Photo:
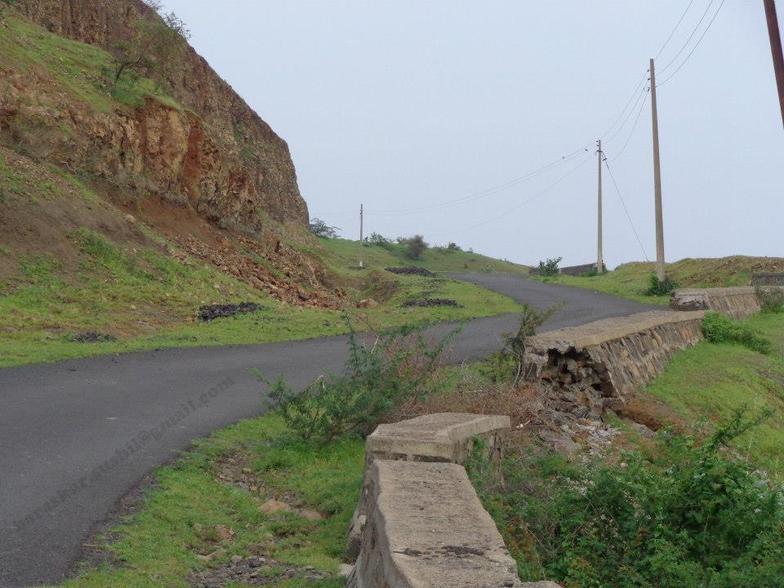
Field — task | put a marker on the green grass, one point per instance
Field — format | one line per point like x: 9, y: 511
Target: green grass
x: 83, y: 70
x: 160, y: 544
x: 708, y: 382
x: 149, y: 300
x: 344, y: 256
x: 631, y: 280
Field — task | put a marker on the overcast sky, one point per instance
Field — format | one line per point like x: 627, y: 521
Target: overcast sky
x: 407, y: 106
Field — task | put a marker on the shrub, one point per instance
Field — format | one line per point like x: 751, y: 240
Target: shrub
x: 453, y: 247
x: 771, y: 299
x: 719, y: 328
x: 396, y: 366
x: 549, y: 267
x: 659, y: 288
x: 321, y: 229
x: 379, y: 241
x: 688, y: 515
x: 414, y: 246
x: 514, y: 343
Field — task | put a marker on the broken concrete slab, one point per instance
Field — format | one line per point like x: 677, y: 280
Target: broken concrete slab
x: 434, y: 437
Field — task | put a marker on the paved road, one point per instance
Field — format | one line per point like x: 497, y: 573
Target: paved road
x: 78, y: 435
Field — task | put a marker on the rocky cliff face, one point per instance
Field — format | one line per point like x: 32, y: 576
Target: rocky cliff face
x: 214, y: 153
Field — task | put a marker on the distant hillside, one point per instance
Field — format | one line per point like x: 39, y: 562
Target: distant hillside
x: 631, y: 280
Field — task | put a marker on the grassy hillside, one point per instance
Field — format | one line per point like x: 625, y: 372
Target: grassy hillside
x: 344, y: 255
x: 81, y: 258
x: 631, y: 280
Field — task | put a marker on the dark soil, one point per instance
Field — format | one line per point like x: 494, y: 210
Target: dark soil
x: 254, y: 571
x: 213, y: 311
x: 411, y: 271
x: 92, y: 337
x: 426, y: 302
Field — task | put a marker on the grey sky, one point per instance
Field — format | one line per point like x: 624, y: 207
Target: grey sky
x: 406, y: 104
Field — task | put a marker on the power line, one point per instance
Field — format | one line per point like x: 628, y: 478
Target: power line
x: 637, y: 88
x: 675, y: 28
x: 634, y: 126
x: 626, y: 210
x: 484, y: 193
x: 533, y: 197
x: 688, y: 40
x: 641, y: 97
x: 693, y: 49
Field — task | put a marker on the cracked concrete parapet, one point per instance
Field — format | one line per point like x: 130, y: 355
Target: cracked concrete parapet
x: 427, y: 527
x: 419, y: 521
x: 441, y: 437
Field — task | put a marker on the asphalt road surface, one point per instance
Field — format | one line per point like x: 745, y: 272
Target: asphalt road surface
x: 77, y: 436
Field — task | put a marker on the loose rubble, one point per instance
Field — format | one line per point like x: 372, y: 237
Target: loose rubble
x: 411, y: 271
x: 428, y: 302
x: 210, y: 312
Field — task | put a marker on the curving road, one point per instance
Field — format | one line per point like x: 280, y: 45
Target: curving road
x: 76, y: 436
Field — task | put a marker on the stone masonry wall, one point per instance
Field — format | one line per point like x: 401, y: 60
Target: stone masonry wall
x: 606, y: 361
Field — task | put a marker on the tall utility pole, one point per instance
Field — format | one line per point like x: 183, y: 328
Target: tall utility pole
x: 775, y: 47
x: 657, y: 188
x: 599, y: 249
x: 361, y: 232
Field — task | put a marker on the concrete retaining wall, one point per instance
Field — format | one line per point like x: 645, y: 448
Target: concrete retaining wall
x: 608, y: 360
x: 419, y: 521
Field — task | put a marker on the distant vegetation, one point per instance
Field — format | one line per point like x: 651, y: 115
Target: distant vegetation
x: 321, y: 229
x: 634, y: 280
x: 550, y: 267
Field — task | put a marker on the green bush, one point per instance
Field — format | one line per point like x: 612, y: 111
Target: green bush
x: 549, y: 267
x: 771, y: 299
x: 379, y: 240
x: 719, y: 328
x: 414, y: 246
x: 378, y: 376
x: 688, y: 516
x: 660, y: 288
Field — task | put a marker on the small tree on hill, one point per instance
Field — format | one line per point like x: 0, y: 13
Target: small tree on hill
x: 321, y: 229
x: 415, y: 246
x: 156, y: 44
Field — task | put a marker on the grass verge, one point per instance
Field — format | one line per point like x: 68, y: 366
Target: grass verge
x: 209, y: 507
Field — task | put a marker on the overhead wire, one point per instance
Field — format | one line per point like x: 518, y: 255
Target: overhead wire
x: 675, y: 28
x: 634, y: 126
x: 690, y: 37
x: 693, y: 49
x: 483, y: 193
x: 625, y: 209
x: 533, y: 197
x: 641, y: 97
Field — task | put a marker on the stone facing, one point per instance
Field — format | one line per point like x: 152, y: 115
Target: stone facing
x: 736, y: 302
x: 611, y: 358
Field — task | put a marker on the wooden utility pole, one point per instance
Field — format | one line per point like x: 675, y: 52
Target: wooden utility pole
x: 775, y: 47
x: 657, y: 188
x: 361, y: 232
x: 599, y: 248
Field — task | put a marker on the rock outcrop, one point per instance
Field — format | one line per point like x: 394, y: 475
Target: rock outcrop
x: 211, y: 152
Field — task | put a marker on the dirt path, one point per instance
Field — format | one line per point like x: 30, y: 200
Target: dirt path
x: 76, y: 436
